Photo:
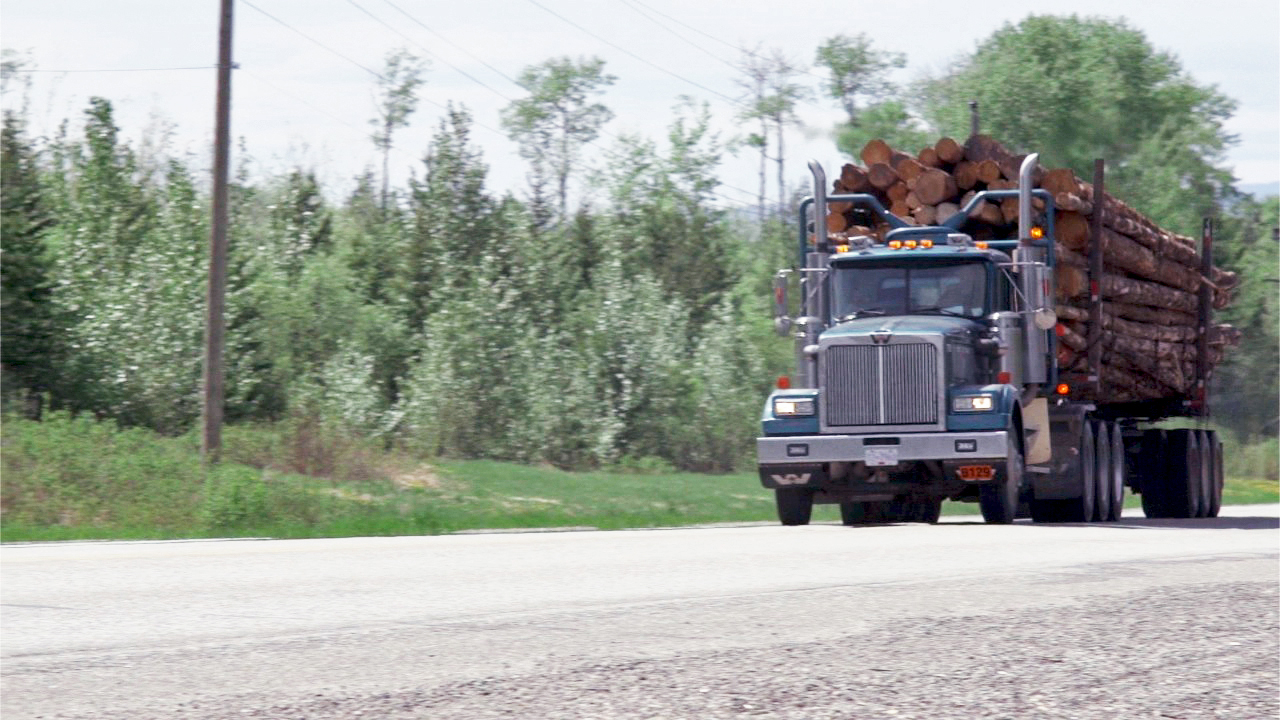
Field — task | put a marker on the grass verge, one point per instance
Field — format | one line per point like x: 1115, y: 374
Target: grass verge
x: 75, y: 479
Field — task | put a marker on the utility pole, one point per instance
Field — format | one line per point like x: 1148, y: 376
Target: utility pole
x: 211, y: 443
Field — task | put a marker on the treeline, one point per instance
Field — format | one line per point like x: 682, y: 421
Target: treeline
x: 630, y: 328
x: 452, y: 321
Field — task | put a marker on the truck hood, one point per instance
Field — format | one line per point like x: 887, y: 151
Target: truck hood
x: 945, y: 325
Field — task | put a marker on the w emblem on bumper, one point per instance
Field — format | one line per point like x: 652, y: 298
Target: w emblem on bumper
x: 791, y: 479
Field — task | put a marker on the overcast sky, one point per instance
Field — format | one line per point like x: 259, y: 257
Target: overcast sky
x: 303, y: 94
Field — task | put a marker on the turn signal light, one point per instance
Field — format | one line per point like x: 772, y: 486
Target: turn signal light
x: 1064, y: 389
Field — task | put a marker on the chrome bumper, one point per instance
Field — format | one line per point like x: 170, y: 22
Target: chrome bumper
x: 802, y: 449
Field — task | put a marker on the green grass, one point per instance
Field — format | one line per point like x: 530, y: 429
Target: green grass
x: 75, y: 478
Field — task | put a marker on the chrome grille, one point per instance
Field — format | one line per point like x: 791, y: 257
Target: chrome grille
x: 881, y: 384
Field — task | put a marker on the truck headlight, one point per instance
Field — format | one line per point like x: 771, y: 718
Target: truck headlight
x: 792, y: 407
x: 973, y: 403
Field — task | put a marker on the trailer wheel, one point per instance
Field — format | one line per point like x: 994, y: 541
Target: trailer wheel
x: 1101, y: 473
x: 795, y: 505
x: 999, y: 500
x: 1117, y: 473
x: 1181, y: 487
x: 1215, y: 498
x: 1209, y: 471
x: 1152, y: 477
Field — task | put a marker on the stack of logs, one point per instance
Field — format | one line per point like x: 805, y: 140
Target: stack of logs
x: 1151, y: 277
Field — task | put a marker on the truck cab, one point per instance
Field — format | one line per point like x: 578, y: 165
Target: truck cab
x: 921, y: 366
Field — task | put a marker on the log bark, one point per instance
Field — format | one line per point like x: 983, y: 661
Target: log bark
x: 946, y: 210
x: 989, y: 172
x: 876, y: 151
x: 949, y: 151
x: 935, y: 186
x: 854, y: 179
x: 926, y: 215
x: 928, y: 157
x: 966, y: 175
x: 881, y: 176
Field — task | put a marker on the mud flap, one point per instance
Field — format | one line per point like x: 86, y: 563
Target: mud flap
x: 786, y: 476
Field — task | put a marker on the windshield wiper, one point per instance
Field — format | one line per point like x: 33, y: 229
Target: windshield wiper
x: 940, y: 311
x: 865, y: 312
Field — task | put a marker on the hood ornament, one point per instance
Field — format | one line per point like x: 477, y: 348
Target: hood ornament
x: 881, y: 336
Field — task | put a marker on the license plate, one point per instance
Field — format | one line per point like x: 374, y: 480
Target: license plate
x: 881, y: 456
x: 976, y: 472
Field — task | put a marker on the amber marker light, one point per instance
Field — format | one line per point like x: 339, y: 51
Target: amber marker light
x: 1037, y: 232
x: 926, y: 244
x: 895, y: 244
x: 981, y: 245
x: 910, y: 244
x: 1064, y: 389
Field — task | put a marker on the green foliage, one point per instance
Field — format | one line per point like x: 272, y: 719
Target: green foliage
x: 397, y: 99
x: 557, y: 119
x: 1247, y: 383
x: 30, y: 339
x: 858, y: 71
x: 1075, y: 89
x: 888, y: 121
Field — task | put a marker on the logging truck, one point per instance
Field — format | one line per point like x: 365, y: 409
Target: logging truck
x: 927, y: 368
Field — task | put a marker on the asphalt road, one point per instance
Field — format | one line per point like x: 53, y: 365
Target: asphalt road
x: 1142, y: 618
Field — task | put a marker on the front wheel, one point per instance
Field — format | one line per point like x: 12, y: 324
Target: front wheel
x: 998, y: 500
x: 795, y: 505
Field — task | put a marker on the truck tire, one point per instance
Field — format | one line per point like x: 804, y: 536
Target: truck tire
x: 1215, y: 499
x: 928, y: 510
x: 1081, y: 509
x: 999, y: 500
x: 1205, y: 503
x: 1152, y: 478
x: 1118, y: 478
x: 795, y: 505
x: 1181, y: 489
x: 861, y: 513
x: 1101, y: 472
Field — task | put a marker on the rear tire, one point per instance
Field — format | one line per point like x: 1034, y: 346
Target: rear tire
x: 998, y: 500
x: 1215, y: 500
x: 1206, y: 475
x: 1180, y: 491
x: 1117, y: 473
x: 1101, y: 473
x: 795, y: 505
x: 1081, y: 509
x: 1154, y: 462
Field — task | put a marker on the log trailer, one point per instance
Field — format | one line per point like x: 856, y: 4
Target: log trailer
x: 926, y: 369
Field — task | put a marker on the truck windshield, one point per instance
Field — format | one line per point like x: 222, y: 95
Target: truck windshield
x: 868, y: 289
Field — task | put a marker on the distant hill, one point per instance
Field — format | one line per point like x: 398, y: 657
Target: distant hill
x: 1260, y: 190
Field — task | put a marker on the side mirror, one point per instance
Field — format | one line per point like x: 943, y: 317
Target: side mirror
x: 1044, y: 318
x: 781, y: 320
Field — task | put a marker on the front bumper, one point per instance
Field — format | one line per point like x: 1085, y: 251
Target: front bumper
x: 806, y: 449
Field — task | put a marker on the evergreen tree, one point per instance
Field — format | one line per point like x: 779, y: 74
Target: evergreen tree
x: 30, y: 347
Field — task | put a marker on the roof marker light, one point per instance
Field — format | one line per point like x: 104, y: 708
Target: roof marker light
x: 926, y: 244
x: 1064, y: 389
x: 981, y: 245
x: 895, y: 244
x: 910, y: 244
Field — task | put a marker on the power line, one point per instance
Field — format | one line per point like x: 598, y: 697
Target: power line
x: 367, y: 69
x: 109, y: 70
x: 621, y: 49
x: 452, y: 44
x: 466, y: 74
